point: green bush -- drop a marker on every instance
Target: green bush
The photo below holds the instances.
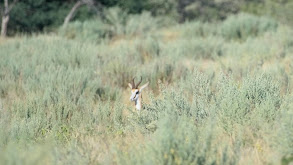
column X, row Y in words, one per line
column 243, row 26
column 117, row 23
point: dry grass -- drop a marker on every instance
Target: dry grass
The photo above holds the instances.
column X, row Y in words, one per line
column 212, row 98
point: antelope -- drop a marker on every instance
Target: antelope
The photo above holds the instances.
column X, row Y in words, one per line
column 136, row 92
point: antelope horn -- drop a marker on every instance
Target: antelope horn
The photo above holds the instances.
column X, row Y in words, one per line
column 132, row 83
column 138, row 82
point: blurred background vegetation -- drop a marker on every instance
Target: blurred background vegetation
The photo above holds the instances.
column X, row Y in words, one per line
column 29, row 16
column 220, row 73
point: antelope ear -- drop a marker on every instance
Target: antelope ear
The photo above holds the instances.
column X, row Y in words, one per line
column 142, row 87
column 130, row 86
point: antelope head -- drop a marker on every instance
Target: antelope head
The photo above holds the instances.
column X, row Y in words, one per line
column 136, row 92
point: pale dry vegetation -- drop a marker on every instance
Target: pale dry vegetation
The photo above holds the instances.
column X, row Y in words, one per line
column 220, row 93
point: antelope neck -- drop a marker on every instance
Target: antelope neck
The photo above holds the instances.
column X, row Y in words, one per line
column 138, row 103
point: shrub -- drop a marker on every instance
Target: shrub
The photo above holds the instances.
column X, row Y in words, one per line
column 243, row 26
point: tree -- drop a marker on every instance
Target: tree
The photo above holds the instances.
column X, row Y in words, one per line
column 5, row 16
column 207, row 10
column 90, row 3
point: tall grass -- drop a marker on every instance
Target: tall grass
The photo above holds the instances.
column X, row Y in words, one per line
column 214, row 97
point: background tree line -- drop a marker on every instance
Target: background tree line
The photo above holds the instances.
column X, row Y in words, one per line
column 26, row 16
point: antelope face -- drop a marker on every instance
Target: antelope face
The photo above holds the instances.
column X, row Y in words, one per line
column 134, row 94
column 135, row 90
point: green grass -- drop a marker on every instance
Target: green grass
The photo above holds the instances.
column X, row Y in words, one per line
column 219, row 93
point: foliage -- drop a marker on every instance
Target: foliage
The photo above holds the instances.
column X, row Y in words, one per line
column 38, row 15
column 47, row 15
column 117, row 23
column 213, row 98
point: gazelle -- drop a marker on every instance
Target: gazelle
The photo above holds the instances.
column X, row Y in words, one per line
column 136, row 92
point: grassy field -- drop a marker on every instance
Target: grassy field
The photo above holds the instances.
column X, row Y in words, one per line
column 219, row 93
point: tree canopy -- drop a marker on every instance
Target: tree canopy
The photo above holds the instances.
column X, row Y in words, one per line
column 45, row 15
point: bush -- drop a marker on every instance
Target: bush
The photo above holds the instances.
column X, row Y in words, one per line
column 243, row 26
column 117, row 23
